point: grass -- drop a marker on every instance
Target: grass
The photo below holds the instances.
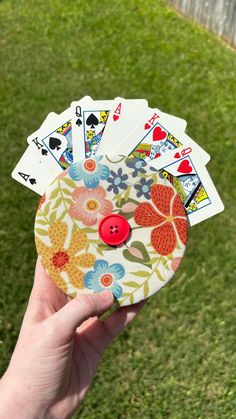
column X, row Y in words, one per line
column 177, row 360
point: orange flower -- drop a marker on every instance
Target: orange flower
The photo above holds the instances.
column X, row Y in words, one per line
column 57, row 259
column 169, row 217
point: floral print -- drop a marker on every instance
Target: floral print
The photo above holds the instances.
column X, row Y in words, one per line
column 137, row 165
column 90, row 171
column 67, row 228
column 117, row 181
column 105, row 276
column 168, row 217
column 143, row 188
column 58, row 259
column 88, row 204
column 41, row 202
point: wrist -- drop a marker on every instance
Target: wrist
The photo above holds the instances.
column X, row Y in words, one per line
column 14, row 402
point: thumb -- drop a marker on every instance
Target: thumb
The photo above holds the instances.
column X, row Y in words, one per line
column 74, row 313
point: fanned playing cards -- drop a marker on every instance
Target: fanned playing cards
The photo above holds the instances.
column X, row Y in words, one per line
column 121, row 184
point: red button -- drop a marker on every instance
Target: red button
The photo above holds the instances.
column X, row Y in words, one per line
column 114, row 229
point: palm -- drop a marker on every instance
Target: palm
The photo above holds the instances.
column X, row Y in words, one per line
column 72, row 362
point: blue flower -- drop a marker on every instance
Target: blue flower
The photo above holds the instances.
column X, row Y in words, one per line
column 117, row 181
column 137, row 165
column 143, row 188
column 90, row 171
column 104, row 277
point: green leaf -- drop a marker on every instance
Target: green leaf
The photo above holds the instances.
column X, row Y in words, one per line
column 69, row 182
column 42, row 222
column 154, row 260
column 58, row 202
column 127, row 193
column 89, row 230
column 116, row 197
column 143, row 259
column 54, row 193
column 131, row 299
column 62, row 215
column 131, row 284
column 69, row 201
column 146, row 289
column 159, row 275
column 66, row 191
column 142, row 274
column 46, row 209
column 53, row 216
column 41, row 232
column 126, row 215
column 125, row 294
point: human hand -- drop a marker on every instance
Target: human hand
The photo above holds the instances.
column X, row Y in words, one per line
column 60, row 344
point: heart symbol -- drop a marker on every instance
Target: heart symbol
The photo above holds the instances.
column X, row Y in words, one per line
column 158, row 134
column 184, row 167
column 177, row 155
column 44, row 152
column 147, row 126
column 115, row 117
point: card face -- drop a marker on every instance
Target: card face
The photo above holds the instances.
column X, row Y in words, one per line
column 49, row 119
column 156, row 136
column 54, row 142
column 186, row 171
column 124, row 116
column 88, row 124
column 172, row 120
column 31, row 172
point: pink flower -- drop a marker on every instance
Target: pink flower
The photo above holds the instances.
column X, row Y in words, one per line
column 128, row 207
column 88, row 204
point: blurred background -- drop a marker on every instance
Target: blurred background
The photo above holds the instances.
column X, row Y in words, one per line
column 177, row 360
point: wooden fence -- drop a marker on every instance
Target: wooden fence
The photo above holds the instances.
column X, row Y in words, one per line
column 217, row 15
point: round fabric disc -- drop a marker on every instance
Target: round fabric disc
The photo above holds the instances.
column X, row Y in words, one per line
column 111, row 223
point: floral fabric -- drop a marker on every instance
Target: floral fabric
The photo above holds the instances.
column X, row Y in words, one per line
column 67, row 220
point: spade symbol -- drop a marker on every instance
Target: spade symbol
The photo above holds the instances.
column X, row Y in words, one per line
column 54, row 143
column 44, row 152
column 33, row 181
column 78, row 122
column 92, row 120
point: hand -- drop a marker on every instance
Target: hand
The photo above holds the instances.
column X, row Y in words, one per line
column 58, row 351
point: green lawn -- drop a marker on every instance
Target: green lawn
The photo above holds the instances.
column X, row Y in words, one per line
column 178, row 359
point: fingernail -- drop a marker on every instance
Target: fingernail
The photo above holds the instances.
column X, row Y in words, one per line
column 108, row 295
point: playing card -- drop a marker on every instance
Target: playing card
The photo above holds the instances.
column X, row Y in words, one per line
column 31, row 172
column 54, row 142
column 186, row 171
column 173, row 120
column 88, row 123
column 156, row 136
column 123, row 118
column 49, row 118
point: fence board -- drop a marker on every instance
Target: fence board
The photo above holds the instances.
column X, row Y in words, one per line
column 217, row 15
